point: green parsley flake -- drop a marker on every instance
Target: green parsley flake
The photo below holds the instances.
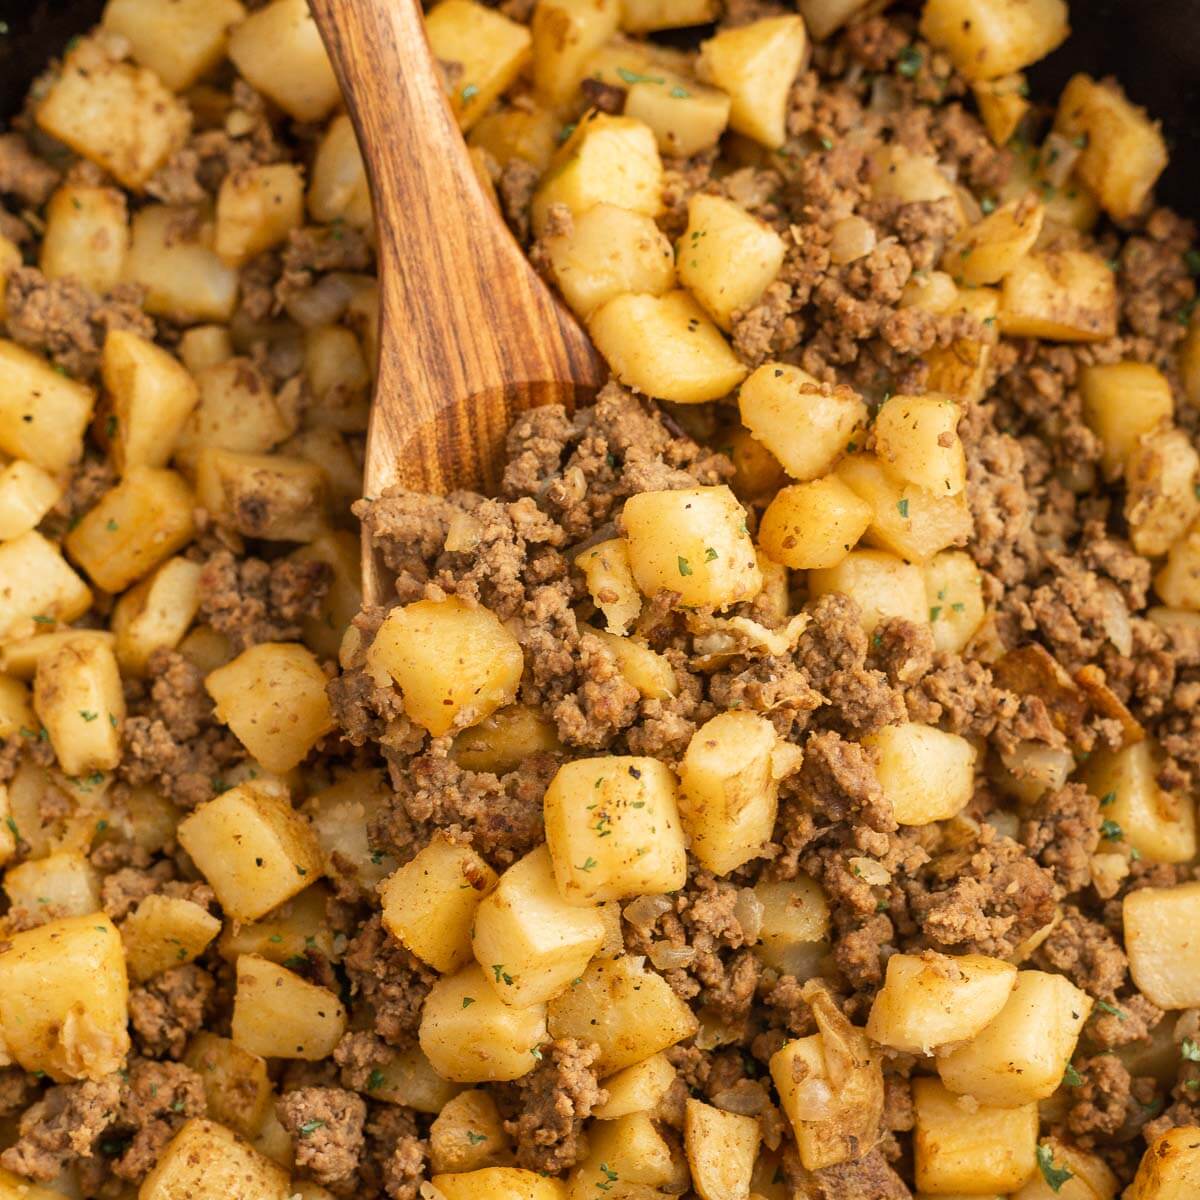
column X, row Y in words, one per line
column 375, row 1080
column 311, row 1127
column 679, row 93
column 628, row 76
column 684, row 568
column 910, row 61
column 1111, row 831
column 1192, row 259
column 1072, row 1077
column 1054, row 1176
column 501, row 974
column 1107, row 799
column 1111, row 1009
column 87, row 714
column 935, row 612
column 610, row 1177
column 470, row 91
column 988, row 205
column 902, row 507
column 468, row 1001
column 588, row 864
column 536, row 1053
column 475, row 1138
column 710, row 554
column 1189, row 1050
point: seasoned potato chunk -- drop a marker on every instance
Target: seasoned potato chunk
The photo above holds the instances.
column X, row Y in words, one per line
column 431, row 902
column 814, row 524
column 454, row 664
column 180, row 41
column 988, row 250
column 721, row 1148
column 637, row 1088
column 27, row 494
column 989, row 38
column 1003, row 103
column 645, row 669
column 164, row 931
column 686, row 116
column 1121, row 402
column 338, row 187
column 795, row 923
column 472, row 1036
column 926, row 774
column 64, row 884
column 613, row 829
column 277, row 1014
column 899, row 174
column 37, row 585
column 263, row 495
column 206, row 1161
column 917, row 438
column 1162, row 944
column 930, row 1000
column 237, row 1088
column 256, row 209
column 1060, row 295
column 630, row 1012
column 881, row 584
column 954, row 588
column 87, row 234
column 565, row 34
column 1089, row 1175
column 501, row 742
column 499, row 1183
column 693, row 542
column 272, row 697
column 78, row 699
column 43, row 413
column 156, row 613
column 468, row 1134
column 15, row 712
column 1178, row 583
column 255, row 850
column 645, row 16
column 1161, row 497
column 611, row 584
column 1170, row 1168
column 408, row 1078
column 63, row 993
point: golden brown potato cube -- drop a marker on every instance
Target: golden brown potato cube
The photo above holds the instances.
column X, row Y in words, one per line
column 989, row 38
column 637, row 1088
column 467, row 1134
column 430, row 903
column 43, row 413
column 263, row 495
column 490, row 49
column 665, row 346
column 917, row 438
column 63, row 993
column 955, row 591
column 961, row 1146
column 897, row 173
column 78, row 698
column 500, row 1183
column 156, row 613
column 340, row 816
column 988, row 250
column 180, row 41
column 1161, row 827
column 1161, row 498
column 15, row 1187
column 15, row 710
column 726, row 257
column 721, row 1148
column 605, row 252
column 526, row 133
column 407, row 1077
column 114, row 113
column 630, row 1012
column 930, row 1000
column 1061, row 296
column 645, row 669
column 1090, row 1177
column 806, row 427
column 613, row 829
column 881, row 584
column 646, row 16
column 256, row 209
column 1161, row 939
column 1020, row 1055
column 135, row 526
column 1170, row 1168
column 171, row 255
column 237, row 1088
column 502, row 742
column 756, row 65
column 279, row 52
column 454, row 664
column 277, row 1014
column 165, row 931
column 1002, row 104
column 693, row 542
column 607, row 160
column 27, row 494
column 687, row 117
column 285, row 932
column 204, row 346
column 926, row 774
column 1178, row 583
column 87, row 234
column 471, row 1036
column 63, row 884
column 20, row 659
column 529, row 941
column 610, row 581
column 255, row 850
column 795, row 923
column 1123, row 150
column 814, row 524
column 1121, row 402
column 565, row 35
column 338, row 377
column 630, row 1152
column 206, row 1161
column 338, row 187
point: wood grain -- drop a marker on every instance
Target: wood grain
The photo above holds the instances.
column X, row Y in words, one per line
column 469, row 334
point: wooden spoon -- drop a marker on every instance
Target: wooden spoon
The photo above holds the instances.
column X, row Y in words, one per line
column 469, row 334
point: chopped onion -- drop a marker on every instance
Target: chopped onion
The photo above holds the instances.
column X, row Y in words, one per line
column 324, row 303
column 464, row 533
column 852, row 238
column 747, row 1097
column 814, row 1099
column 670, row 958
column 870, row 871
column 1058, row 158
column 748, row 912
column 645, row 910
column 1115, row 618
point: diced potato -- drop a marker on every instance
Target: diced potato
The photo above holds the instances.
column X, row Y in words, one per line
column 285, row 932
column 490, row 49
column 529, row 941
column 499, row 1183
column 814, row 524
column 665, row 346
column 917, row 438
column 1162, row 943
column 721, row 1148
column 954, row 588
column 637, row 1088
column 15, row 1187
column 611, row 584
column 1170, row 1168
column 1139, row 814
column 171, row 255
column 10, row 259
column 962, row 1146
column 114, row 113
column 163, row 932
column 43, row 413
column 530, row 133
column 78, row 699
column 687, row 117
column 756, row 65
column 881, row 584
column 87, row 234
column 907, row 519
column 795, row 923
column 613, row 829
column 341, row 815
column 16, row 712
column 988, row 250
column 608, row 251
column 137, row 524
column 960, row 369
column 565, row 35
column 156, row 613
column 180, row 41
column 1123, row 153
column 254, row 849
column 472, row 1036
column 930, row 1000
column 54, row 812
column 729, row 788
column 693, row 542
column 1121, row 402
column 899, row 174
column 646, row 16
column 989, row 38
column 237, row 1088
column 408, row 1078
column 628, row 1011
column 502, row 742
column 630, row 1152
column 1002, row 104
column 256, row 209
column 27, row 494
column 926, row 774
column 37, row 587
column 468, row 1134
column 1089, row 1176
column 1178, row 583
column 279, row 52
column 1019, row 1057
column 60, row 885
column 607, row 160
column 806, row 427
column 338, row 189
column 263, row 495
column 63, row 993
column 1161, row 497
column 430, row 903
column 726, row 257
column 277, row 1014
column 645, row 669
column 338, row 377
column 1061, row 296
column 454, row 664
column 204, row 346
column 205, row 1161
